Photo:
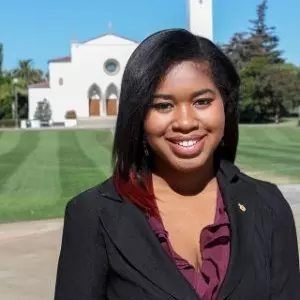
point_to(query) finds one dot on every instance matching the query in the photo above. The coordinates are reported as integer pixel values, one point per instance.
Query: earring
(145, 146)
(222, 142)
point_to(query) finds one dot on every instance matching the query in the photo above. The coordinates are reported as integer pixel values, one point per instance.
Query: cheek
(214, 118)
(155, 124)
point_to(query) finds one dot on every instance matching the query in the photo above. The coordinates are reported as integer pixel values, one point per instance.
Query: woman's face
(185, 122)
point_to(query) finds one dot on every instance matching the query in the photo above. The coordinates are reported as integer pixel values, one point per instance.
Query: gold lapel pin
(242, 207)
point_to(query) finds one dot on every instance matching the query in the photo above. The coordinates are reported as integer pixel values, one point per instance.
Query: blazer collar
(240, 199)
(126, 224)
(107, 190)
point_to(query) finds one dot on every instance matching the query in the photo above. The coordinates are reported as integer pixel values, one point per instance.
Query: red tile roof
(60, 59)
(39, 85)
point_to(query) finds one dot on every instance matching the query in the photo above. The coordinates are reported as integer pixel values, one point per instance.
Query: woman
(178, 220)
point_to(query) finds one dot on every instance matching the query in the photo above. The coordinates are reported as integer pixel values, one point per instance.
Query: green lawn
(270, 153)
(42, 170)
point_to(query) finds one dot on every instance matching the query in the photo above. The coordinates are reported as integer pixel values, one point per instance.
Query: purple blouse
(215, 250)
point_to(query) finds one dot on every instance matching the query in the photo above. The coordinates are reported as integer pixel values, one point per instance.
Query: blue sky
(41, 30)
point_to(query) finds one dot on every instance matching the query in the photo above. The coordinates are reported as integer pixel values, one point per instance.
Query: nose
(185, 119)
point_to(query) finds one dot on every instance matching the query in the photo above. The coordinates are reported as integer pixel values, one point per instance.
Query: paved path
(29, 253)
(28, 259)
(292, 194)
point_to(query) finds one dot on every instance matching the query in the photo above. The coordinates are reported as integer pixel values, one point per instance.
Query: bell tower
(200, 14)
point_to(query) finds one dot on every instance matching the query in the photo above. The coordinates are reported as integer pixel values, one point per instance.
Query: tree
(6, 98)
(262, 40)
(27, 73)
(24, 70)
(254, 99)
(43, 111)
(238, 49)
(285, 82)
(47, 76)
(268, 87)
(1, 60)
(268, 90)
(274, 85)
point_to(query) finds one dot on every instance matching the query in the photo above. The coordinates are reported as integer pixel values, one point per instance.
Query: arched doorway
(111, 100)
(94, 95)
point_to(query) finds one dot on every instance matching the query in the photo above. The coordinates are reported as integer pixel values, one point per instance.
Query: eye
(203, 101)
(162, 106)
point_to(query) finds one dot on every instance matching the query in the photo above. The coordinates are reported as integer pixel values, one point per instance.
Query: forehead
(187, 73)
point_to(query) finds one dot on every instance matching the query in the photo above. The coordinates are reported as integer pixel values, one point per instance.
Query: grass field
(270, 153)
(42, 170)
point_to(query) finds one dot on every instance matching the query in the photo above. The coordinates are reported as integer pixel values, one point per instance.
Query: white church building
(88, 80)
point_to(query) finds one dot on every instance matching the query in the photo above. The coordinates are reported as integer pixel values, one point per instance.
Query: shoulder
(90, 202)
(269, 195)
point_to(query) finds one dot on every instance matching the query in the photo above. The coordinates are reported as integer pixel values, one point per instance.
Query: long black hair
(146, 67)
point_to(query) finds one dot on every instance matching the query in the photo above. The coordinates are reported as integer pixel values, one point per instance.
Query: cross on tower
(109, 25)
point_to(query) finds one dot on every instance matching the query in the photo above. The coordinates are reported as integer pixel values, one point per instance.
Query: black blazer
(110, 252)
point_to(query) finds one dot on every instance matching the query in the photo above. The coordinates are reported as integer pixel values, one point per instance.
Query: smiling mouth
(187, 148)
(186, 141)
(187, 144)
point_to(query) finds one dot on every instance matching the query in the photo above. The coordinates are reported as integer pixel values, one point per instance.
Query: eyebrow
(203, 92)
(194, 94)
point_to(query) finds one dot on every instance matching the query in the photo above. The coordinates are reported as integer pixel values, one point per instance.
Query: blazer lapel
(240, 199)
(132, 235)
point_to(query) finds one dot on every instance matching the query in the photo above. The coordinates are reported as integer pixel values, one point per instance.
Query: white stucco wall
(60, 94)
(89, 59)
(86, 68)
(34, 96)
(200, 13)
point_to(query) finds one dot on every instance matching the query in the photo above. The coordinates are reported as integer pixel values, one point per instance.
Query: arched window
(94, 96)
(111, 97)
(94, 92)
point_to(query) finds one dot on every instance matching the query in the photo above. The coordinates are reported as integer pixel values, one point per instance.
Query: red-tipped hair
(135, 192)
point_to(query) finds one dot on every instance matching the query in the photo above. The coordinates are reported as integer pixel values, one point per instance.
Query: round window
(111, 67)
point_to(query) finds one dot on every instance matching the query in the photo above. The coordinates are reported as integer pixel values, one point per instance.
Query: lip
(181, 138)
(187, 152)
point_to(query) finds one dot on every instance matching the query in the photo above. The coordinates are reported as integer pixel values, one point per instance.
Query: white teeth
(187, 143)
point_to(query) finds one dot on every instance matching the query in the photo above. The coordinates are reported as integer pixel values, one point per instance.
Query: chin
(185, 165)
(189, 165)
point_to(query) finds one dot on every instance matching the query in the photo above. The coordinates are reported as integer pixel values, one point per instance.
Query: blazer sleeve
(82, 265)
(285, 275)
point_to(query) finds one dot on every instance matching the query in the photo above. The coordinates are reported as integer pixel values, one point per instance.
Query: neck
(184, 183)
